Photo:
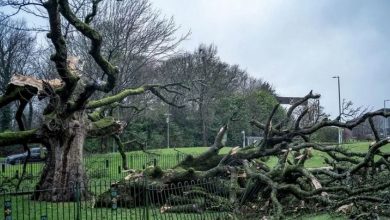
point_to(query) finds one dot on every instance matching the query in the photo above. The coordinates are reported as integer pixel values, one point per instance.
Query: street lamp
(168, 114)
(385, 119)
(243, 139)
(340, 131)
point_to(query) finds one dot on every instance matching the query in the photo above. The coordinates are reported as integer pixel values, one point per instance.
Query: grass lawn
(318, 157)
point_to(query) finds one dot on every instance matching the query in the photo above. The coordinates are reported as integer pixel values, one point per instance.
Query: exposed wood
(20, 80)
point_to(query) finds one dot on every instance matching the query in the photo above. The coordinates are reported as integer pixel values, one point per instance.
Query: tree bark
(64, 168)
(121, 149)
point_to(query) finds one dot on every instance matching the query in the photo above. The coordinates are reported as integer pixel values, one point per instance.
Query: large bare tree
(74, 107)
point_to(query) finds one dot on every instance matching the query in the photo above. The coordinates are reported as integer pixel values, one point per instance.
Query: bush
(327, 134)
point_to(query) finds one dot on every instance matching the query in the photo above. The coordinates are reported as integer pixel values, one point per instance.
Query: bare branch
(60, 58)
(129, 92)
(95, 50)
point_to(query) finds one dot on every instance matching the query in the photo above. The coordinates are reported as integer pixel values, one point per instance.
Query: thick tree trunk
(64, 173)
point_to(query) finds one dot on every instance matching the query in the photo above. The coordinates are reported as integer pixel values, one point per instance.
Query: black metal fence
(98, 166)
(136, 199)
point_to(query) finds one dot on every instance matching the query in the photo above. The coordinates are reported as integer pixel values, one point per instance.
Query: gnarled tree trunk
(64, 167)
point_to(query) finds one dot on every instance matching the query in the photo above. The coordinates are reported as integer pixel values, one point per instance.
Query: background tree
(213, 81)
(16, 53)
(216, 78)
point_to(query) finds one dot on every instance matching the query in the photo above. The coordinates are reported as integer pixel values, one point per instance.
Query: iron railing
(136, 199)
(98, 167)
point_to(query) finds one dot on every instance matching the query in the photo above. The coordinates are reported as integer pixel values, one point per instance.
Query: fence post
(114, 200)
(8, 210)
(146, 196)
(107, 164)
(154, 162)
(78, 199)
(17, 173)
(31, 172)
(3, 167)
(131, 161)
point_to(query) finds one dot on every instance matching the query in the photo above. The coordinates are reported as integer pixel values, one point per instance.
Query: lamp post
(385, 119)
(340, 130)
(243, 139)
(168, 114)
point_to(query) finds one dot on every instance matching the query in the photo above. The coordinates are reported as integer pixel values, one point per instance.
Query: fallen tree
(354, 183)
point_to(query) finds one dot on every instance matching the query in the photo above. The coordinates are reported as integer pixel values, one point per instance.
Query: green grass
(318, 157)
(317, 160)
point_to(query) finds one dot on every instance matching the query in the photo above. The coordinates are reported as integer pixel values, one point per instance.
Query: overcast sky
(297, 45)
